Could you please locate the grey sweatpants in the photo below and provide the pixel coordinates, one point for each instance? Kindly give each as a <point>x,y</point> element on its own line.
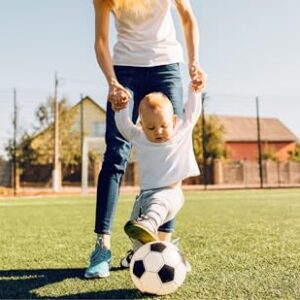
<point>158,206</point>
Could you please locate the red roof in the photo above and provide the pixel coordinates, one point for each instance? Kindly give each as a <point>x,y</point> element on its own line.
<point>244,129</point>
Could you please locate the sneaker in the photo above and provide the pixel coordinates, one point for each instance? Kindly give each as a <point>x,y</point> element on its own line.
<point>125,261</point>
<point>139,232</point>
<point>100,261</point>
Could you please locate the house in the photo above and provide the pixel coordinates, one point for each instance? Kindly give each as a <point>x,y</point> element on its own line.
<point>90,118</point>
<point>87,122</point>
<point>85,119</point>
<point>241,138</point>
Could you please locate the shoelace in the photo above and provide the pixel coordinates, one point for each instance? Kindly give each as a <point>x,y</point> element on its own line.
<point>98,254</point>
<point>142,218</point>
<point>129,255</point>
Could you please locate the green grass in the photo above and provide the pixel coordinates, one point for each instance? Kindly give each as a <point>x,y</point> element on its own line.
<point>241,244</point>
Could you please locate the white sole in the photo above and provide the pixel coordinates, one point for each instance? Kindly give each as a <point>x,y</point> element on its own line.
<point>95,276</point>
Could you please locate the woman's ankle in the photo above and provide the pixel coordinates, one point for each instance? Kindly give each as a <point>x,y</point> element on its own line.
<point>105,238</point>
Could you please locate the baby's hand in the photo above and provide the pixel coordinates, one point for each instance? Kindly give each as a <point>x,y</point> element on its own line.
<point>118,96</point>
<point>198,77</point>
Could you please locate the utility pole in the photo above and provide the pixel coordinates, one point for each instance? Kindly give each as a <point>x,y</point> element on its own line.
<point>81,123</point>
<point>56,163</point>
<point>84,190</point>
<point>259,145</point>
<point>15,162</point>
<point>203,96</point>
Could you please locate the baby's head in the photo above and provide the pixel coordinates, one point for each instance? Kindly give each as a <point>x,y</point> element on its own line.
<point>157,117</point>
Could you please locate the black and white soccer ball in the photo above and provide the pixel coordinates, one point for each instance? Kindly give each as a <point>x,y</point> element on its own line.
<point>158,268</point>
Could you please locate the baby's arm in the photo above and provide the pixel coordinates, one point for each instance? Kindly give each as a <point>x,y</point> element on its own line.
<point>193,106</point>
<point>124,123</point>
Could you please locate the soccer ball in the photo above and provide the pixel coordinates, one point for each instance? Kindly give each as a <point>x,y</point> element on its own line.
<point>158,268</point>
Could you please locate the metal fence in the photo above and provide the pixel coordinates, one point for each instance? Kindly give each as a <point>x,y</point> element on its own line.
<point>275,173</point>
<point>18,114</point>
<point>5,173</point>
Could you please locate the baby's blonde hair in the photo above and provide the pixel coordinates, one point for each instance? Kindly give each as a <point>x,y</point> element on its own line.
<point>155,101</point>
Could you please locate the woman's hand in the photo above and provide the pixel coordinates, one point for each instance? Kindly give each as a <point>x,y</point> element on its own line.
<point>198,77</point>
<point>118,95</point>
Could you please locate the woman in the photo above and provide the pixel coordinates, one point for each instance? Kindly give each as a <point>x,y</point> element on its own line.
<point>146,58</point>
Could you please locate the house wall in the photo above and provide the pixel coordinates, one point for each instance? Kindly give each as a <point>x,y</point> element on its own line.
<point>91,114</point>
<point>249,150</point>
<point>283,149</point>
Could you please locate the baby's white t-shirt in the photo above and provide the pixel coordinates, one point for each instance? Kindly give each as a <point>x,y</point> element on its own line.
<point>163,164</point>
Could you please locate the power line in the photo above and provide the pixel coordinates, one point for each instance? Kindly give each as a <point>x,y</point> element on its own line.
<point>213,94</point>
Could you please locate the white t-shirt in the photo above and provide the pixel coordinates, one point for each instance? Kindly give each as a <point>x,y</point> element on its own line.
<point>149,40</point>
<point>163,164</point>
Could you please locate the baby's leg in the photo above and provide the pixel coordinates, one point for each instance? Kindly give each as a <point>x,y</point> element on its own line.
<point>144,221</point>
<point>135,214</point>
<point>151,210</point>
<point>154,213</point>
<point>161,207</point>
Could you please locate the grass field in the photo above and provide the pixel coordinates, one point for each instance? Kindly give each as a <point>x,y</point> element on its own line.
<point>241,244</point>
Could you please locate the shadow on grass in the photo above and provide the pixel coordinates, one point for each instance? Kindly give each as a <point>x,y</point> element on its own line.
<point>19,284</point>
<point>112,294</point>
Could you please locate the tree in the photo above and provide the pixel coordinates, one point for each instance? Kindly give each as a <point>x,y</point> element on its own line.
<point>295,156</point>
<point>42,144</point>
<point>215,145</point>
<point>269,152</point>
<point>37,148</point>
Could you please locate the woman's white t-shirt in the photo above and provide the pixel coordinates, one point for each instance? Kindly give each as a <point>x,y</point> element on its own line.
<point>148,40</point>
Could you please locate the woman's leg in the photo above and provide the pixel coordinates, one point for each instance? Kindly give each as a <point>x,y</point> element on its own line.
<point>113,168</point>
<point>116,155</point>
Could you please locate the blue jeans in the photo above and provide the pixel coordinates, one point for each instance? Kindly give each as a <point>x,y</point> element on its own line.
<point>140,81</point>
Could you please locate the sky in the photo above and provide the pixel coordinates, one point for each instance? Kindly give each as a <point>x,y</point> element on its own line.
<point>248,48</point>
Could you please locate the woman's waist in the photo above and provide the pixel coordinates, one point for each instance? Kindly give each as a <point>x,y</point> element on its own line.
<point>139,54</point>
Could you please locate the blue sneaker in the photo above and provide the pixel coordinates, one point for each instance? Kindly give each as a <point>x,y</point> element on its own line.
<point>100,261</point>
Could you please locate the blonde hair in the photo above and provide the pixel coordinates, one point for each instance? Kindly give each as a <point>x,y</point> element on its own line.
<point>134,7</point>
<point>156,101</point>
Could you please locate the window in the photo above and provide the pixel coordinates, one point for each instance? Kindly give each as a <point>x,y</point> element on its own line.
<point>98,129</point>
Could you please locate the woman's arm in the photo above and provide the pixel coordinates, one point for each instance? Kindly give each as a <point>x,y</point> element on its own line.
<point>190,29</point>
<point>191,34</point>
<point>102,13</point>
